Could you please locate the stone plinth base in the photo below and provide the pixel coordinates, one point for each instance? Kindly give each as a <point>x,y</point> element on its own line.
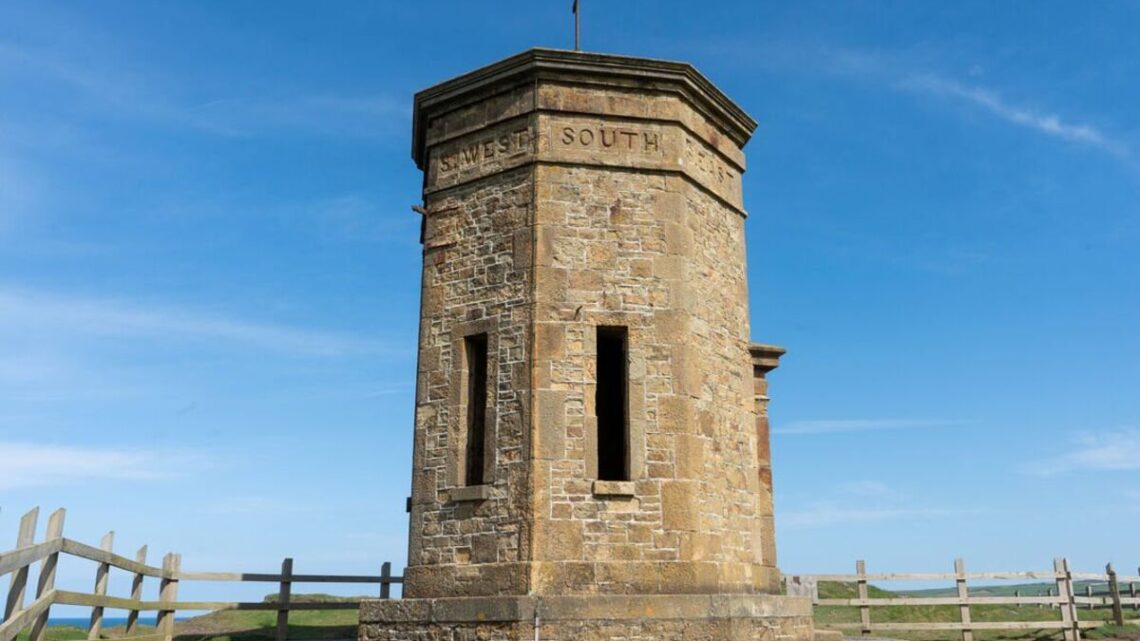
<point>673,617</point>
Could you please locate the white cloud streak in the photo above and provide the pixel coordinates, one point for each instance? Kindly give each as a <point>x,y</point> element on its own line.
<point>29,312</point>
<point>118,89</point>
<point>898,71</point>
<point>361,116</point>
<point>38,465</point>
<point>801,428</point>
<point>1046,123</point>
<point>20,190</point>
<point>259,505</point>
<point>1107,451</point>
<point>822,515</point>
<point>866,488</point>
<point>861,501</point>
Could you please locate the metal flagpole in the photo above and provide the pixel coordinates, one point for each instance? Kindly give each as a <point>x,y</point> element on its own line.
<point>577,27</point>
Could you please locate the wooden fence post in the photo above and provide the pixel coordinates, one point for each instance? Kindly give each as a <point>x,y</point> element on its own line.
<point>864,609</point>
<point>168,594</point>
<point>101,574</point>
<point>25,537</point>
<point>963,596</point>
<point>385,580</point>
<point>1114,593</point>
<point>1068,606</point>
<point>1132,593</point>
<point>47,573</point>
<point>1089,594</point>
<point>136,594</point>
<point>1017,593</point>
<point>283,599</point>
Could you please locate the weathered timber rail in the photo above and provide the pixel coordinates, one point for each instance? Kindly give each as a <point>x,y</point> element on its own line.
<point>1062,597</point>
<point>18,562</point>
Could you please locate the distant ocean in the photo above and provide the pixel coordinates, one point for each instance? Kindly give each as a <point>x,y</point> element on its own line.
<point>108,622</point>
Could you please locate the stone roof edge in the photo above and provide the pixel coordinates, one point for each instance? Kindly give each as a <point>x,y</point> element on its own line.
<point>766,357</point>
<point>509,72</point>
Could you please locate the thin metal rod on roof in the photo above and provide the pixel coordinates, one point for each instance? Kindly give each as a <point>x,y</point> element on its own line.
<point>577,26</point>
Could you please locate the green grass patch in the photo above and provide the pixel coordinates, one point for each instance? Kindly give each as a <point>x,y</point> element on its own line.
<point>825,615</point>
<point>239,625</point>
<point>57,633</point>
<point>258,625</point>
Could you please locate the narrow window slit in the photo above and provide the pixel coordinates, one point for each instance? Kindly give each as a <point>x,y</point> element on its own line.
<point>610,404</point>
<point>476,348</point>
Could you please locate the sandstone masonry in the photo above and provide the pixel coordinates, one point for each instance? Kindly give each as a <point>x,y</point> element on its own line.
<point>577,204</point>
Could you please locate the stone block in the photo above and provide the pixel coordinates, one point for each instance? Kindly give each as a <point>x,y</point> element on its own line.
<point>560,540</point>
<point>484,548</point>
<point>562,577</point>
<point>675,414</point>
<point>550,430</point>
<point>550,340</point>
<point>661,617</point>
<point>690,456</point>
<point>680,505</point>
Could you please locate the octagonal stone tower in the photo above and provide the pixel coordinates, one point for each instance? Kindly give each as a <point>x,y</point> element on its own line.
<point>591,438</point>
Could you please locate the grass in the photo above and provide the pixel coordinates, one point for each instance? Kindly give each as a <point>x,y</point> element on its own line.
<point>57,633</point>
<point>239,625</point>
<point>255,625</point>
<point>1026,589</point>
<point>824,615</point>
<point>1112,631</point>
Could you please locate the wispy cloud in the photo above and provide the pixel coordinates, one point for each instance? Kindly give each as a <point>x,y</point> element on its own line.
<point>119,89</point>
<point>36,465</point>
<point>27,311</point>
<point>821,515</point>
<point>861,501</point>
<point>899,71</point>
<point>366,116</point>
<point>260,505</point>
<point>866,488</point>
<point>361,218</point>
<point>798,428</point>
<point>1107,451</point>
<point>20,190</point>
<point>1046,123</point>
<point>47,377</point>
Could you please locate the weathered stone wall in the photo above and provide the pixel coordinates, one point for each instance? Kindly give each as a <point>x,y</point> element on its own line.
<point>765,358</point>
<point>614,618</point>
<point>661,253</point>
<point>601,240</point>
<point>554,206</point>
<point>476,279</point>
<point>566,191</point>
<point>784,629</point>
<point>719,389</point>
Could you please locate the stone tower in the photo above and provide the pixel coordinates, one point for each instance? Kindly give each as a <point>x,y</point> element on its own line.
<point>591,439</point>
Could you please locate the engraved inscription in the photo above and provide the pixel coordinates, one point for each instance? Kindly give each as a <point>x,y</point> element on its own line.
<point>616,138</point>
<point>498,147</point>
<point>706,164</point>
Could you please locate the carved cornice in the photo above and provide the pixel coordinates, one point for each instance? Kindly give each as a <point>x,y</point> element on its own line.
<point>535,65</point>
<point>766,357</point>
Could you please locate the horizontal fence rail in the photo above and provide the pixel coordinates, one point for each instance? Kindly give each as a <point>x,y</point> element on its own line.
<point>18,562</point>
<point>1107,590</point>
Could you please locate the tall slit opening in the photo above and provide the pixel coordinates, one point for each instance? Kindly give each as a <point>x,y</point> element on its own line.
<point>610,403</point>
<point>476,348</point>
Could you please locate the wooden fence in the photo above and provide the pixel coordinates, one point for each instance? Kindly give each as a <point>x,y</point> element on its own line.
<point>18,562</point>
<point>1065,599</point>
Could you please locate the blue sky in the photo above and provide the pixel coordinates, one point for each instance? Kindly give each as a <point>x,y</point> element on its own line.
<point>209,268</point>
